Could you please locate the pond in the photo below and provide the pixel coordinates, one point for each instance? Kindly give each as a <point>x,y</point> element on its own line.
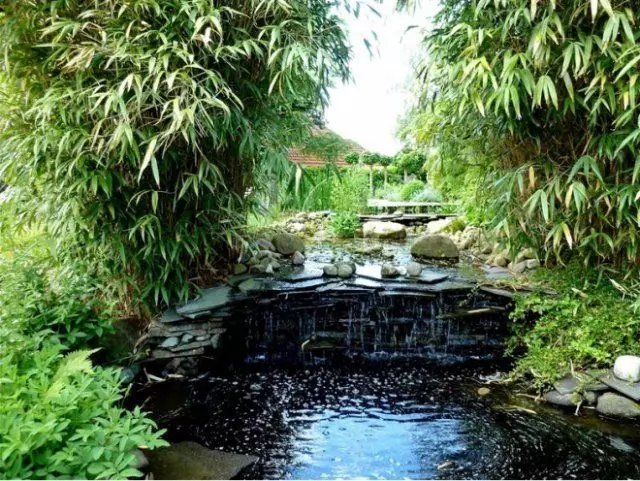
<point>404,420</point>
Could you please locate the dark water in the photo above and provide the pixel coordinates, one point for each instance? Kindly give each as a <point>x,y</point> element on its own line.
<point>387,421</point>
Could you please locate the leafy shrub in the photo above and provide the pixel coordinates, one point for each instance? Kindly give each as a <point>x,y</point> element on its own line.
<point>427,194</point>
<point>408,190</point>
<point>350,191</point>
<point>586,325</point>
<point>545,96</point>
<point>458,224</point>
<point>391,192</point>
<point>59,417</point>
<point>345,224</point>
<point>138,129</point>
<point>72,300</point>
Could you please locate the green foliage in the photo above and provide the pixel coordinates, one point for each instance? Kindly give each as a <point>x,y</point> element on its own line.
<point>328,146</point>
<point>345,224</point>
<point>59,416</point>
<point>350,192</point>
<point>73,300</point>
<point>545,97</point>
<point>586,325</point>
<point>352,158</point>
<point>137,130</point>
<point>457,225</point>
<point>370,158</point>
<point>410,161</point>
<point>410,189</point>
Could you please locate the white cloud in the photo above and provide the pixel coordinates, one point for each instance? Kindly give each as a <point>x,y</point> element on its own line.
<point>368,109</point>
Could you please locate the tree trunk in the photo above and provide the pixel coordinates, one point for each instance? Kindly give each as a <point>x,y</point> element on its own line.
<point>371,179</point>
<point>406,176</point>
<point>385,177</point>
<point>298,180</point>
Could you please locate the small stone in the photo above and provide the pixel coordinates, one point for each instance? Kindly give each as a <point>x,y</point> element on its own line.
<point>590,398</point>
<point>201,338</point>
<point>330,270</point>
<point>388,271</point>
<point>344,270</point>
<point>141,461</point>
<point>566,400</point>
<point>186,338</point>
<point>127,375</point>
<point>483,391</point>
<point>239,269</point>
<point>610,404</point>
<point>532,263</point>
<point>269,269</point>
<point>627,368</point>
<point>169,342</point>
<point>414,269</point>
<point>297,259</point>
<point>384,230</point>
<point>402,271</point>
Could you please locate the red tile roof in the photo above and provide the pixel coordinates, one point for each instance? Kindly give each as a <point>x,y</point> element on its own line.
<point>297,156</point>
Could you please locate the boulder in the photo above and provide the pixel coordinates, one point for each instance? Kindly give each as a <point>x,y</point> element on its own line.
<point>330,270</point>
<point>627,368</point>
<point>610,404</point>
<point>532,263</point>
<point>188,460</point>
<point>500,260</point>
<point>265,245</point>
<point>519,267</point>
<point>297,259</point>
<point>287,244</point>
<point>414,269</point>
<point>438,226</point>
<point>344,270</point>
<point>297,227</point>
<point>434,247</point>
<point>384,230</point>
<point>387,270</point>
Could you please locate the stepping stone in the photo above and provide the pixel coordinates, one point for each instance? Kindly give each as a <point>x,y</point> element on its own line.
<point>209,300</point>
<point>188,460</point>
<point>171,315</point>
<point>497,292</point>
<point>365,282</point>
<point>430,277</point>
<point>570,384</point>
<point>631,390</point>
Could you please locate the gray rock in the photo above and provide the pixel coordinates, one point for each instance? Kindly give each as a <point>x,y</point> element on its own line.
<point>269,269</point>
<point>367,249</point>
<point>297,227</point>
<point>297,259</point>
<point>388,271</point>
<point>186,338</point>
<point>434,247</point>
<point>519,267</point>
<point>210,299</point>
<point>610,404</point>
<point>579,382</point>
<point>344,270</point>
<point>169,342</point>
<point>567,400</point>
<point>215,340</point>
<point>330,270</point>
<point>500,260</point>
<point>591,398</point>
<point>525,254</point>
<point>265,244</point>
<point>384,230</point>
<point>414,269</point>
<point>128,374</point>
<point>287,244</point>
<point>188,460</point>
<point>532,263</point>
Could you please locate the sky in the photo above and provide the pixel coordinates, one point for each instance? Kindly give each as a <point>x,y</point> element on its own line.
<point>368,109</point>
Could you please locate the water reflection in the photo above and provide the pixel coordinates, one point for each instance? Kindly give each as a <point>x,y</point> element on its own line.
<point>386,422</point>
